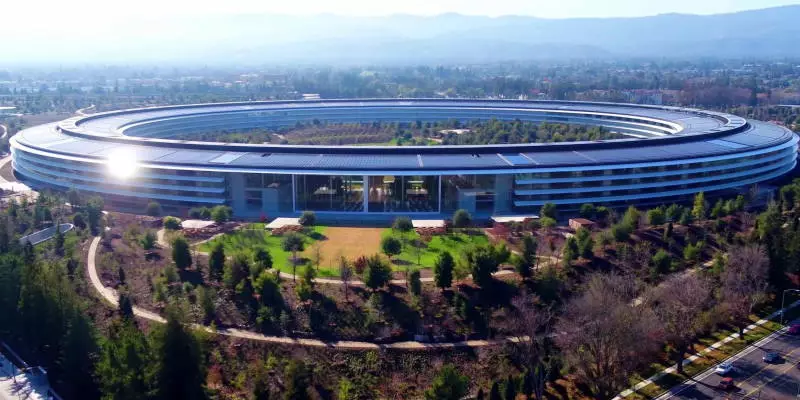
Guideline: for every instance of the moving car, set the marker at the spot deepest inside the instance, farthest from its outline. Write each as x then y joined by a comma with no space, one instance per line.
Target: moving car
724,368
771,357
726,384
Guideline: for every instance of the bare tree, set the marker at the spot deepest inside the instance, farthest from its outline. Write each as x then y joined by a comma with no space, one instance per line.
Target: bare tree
744,282
603,337
345,274
531,324
680,303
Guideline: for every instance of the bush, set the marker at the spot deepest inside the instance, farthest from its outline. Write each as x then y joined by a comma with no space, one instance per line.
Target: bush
692,252
402,224
548,222
585,243
308,218
377,274
181,254
462,219
656,216
200,213
483,262
549,210
153,209
631,218
172,223
443,270
78,221
620,232
587,211
149,240
221,214
415,283
661,262
391,246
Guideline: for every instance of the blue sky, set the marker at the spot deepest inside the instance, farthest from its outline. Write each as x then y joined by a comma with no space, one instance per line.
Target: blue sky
99,9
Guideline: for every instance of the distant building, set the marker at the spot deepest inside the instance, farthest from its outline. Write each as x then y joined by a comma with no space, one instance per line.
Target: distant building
578,223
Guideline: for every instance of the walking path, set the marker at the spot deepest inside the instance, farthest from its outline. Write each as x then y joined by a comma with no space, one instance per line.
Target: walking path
673,369
82,111
110,295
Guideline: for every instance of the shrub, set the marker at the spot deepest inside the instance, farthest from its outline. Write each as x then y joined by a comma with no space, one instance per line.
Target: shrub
221,214
148,240
549,210
402,224
360,264
585,243
415,283
483,262
308,218
656,216
661,262
172,223
587,210
200,213
443,270
462,219
391,246
153,209
620,232
377,274
181,254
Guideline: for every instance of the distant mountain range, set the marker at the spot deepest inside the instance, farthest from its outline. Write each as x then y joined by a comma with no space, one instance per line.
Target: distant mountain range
448,38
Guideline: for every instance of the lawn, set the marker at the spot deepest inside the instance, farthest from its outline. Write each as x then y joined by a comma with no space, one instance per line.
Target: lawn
454,243
250,238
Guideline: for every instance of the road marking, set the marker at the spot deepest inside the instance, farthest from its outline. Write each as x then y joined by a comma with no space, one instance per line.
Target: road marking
755,374
772,379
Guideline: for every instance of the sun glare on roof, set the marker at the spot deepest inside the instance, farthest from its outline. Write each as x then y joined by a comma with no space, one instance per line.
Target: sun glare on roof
122,164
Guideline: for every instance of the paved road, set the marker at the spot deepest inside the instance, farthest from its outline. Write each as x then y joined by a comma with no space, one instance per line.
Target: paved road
754,379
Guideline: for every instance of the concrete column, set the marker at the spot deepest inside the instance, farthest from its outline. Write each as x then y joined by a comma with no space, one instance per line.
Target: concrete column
365,193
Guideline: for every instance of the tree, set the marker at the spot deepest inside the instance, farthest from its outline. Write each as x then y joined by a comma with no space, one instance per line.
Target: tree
744,282
402,225
667,233
179,362
680,303
718,211
262,261
294,243
570,252
528,260
621,232
181,254
171,223
345,274
585,243
308,218
532,324
58,240
220,214
448,385
661,262
74,198
587,211
631,218
298,380
462,219
153,209
699,207
510,391
549,210
483,262
236,271
390,246
414,283
123,362
673,213
603,337
443,270
377,274
94,213
494,392
216,262
125,306
656,216
307,284
148,241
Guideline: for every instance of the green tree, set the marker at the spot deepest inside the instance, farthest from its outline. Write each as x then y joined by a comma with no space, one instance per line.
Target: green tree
527,261
298,380
402,225
718,211
148,241
667,232
294,243
415,283
661,262
631,218
171,223
377,274
510,388
494,393
216,262
308,218
391,246
585,243
448,385
462,219
483,262
236,271
181,254
179,361
123,362
262,260
443,270
153,209
570,252
220,214
587,211
699,207
656,216
549,210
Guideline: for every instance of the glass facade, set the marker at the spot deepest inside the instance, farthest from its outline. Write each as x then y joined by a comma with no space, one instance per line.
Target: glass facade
413,194
344,193
475,193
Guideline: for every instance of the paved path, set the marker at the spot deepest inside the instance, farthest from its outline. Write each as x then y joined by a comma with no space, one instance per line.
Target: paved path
82,111
752,376
110,295
673,369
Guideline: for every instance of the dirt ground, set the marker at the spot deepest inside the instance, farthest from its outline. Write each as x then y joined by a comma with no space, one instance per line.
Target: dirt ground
348,242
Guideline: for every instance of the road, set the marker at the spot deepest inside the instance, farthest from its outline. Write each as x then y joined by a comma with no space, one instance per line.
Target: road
754,379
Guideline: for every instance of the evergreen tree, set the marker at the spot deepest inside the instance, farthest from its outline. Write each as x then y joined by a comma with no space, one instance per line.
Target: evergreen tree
216,262
494,393
699,207
179,367
448,385
443,270
298,380
181,254
122,366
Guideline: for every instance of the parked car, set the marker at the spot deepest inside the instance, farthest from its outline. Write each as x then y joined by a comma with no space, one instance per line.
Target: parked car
794,329
726,384
771,357
724,369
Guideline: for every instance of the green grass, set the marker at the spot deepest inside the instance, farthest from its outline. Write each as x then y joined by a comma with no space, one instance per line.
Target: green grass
455,244
250,238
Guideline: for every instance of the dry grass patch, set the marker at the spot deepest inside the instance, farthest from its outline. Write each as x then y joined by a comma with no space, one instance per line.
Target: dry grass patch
348,242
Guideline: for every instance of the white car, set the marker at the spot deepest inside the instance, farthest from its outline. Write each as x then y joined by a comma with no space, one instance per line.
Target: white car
724,369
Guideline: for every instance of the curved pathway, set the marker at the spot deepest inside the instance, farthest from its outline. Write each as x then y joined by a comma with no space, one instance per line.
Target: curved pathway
82,111
110,295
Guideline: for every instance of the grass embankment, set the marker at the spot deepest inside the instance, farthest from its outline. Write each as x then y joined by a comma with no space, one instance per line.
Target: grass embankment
426,255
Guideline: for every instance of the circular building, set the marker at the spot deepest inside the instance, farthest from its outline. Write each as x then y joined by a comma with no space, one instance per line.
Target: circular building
670,153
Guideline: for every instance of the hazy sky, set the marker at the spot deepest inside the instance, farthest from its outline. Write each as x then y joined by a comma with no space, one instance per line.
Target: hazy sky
102,9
